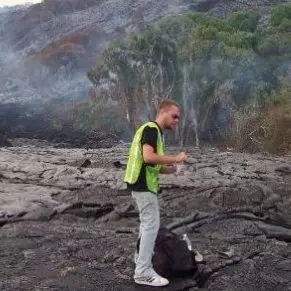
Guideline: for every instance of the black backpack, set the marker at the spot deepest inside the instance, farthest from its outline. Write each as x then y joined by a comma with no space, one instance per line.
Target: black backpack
172,258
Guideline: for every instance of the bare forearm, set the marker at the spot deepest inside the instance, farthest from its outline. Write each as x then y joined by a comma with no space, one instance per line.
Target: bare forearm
155,159
150,157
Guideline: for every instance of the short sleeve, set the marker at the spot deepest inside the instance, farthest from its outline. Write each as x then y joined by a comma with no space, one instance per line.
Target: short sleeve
150,137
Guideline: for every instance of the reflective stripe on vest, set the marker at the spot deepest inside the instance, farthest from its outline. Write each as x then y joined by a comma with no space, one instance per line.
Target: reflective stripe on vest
135,160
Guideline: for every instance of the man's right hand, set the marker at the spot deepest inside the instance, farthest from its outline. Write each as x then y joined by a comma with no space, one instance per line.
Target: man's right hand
181,157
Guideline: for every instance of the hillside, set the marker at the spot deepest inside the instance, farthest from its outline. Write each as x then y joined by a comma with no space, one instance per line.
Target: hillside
47,48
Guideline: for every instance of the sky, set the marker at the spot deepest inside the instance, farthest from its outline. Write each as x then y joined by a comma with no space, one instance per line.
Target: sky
16,2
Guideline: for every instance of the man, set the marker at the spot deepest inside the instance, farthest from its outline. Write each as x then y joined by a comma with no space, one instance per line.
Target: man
146,160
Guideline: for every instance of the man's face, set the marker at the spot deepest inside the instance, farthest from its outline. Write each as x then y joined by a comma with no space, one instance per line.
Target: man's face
171,117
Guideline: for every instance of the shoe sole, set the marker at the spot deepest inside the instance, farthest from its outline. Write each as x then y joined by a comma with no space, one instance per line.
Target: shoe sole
149,284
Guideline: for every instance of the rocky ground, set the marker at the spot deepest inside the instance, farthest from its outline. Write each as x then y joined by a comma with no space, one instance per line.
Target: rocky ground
68,223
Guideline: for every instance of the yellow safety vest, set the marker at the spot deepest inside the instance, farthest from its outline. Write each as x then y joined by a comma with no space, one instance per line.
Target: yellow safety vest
135,160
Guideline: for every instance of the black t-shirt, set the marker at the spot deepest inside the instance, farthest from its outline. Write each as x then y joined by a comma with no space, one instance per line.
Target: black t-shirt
150,137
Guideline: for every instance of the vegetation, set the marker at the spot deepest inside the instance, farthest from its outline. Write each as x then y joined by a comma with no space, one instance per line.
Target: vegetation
67,49
230,76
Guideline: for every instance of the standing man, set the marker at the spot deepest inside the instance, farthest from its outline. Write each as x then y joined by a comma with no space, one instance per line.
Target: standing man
146,160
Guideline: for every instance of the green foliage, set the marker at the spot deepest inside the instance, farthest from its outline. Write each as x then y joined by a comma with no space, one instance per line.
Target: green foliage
285,25
233,36
243,21
277,45
259,94
280,14
203,38
282,96
237,44
275,42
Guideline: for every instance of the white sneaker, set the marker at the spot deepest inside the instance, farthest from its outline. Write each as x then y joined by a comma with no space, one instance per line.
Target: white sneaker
155,281
135,257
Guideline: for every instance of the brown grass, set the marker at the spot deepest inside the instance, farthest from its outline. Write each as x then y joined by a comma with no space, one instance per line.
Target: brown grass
74,43
267,129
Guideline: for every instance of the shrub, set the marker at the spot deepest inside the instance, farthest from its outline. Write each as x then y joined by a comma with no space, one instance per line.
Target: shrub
280,14
265,129
244,20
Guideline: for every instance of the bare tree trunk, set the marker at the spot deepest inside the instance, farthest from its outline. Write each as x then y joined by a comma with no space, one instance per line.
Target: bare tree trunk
148,100
161,76
184,104
155,92
195,125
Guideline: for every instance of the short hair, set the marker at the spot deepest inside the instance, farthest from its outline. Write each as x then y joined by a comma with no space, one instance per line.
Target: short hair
166,103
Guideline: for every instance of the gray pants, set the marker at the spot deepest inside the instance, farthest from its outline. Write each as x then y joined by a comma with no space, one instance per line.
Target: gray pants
149,215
